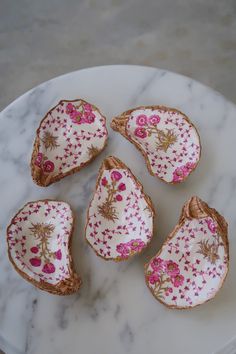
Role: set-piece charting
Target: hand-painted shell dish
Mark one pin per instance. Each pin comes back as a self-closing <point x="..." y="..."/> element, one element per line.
<point x="192" y="264"/>
<point x="70" y="136"/>
<point x="39" y="246"/>
<point x="120" y="215"/>
<point x="165" y="136"/>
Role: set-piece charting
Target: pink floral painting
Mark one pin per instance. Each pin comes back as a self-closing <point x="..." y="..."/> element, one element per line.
<point x="70" y="135"/>
<point x="190" y="267"/>
<point x="38" y="240"/>
<point x="169" y="141"/>
<point x="120" y="222"/>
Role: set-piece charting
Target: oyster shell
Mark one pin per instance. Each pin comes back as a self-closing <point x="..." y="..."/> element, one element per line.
<point x="165" y="136"/>
<point x="193" y="262"/>
<point x="39" y="246"/>
<point x="70" y="136"/>
<point x="120" y="215"/>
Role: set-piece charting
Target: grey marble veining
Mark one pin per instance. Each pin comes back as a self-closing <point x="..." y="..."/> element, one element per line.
<point x="114" y="311"/>
<point x="42" y="39"/>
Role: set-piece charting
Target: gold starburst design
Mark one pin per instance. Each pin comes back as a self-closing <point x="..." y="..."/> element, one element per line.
<point x="108" y="211"/>
<point x="50" y="141"/>
<point x="93" y="151"/>
<point x="165" y="140"/>
<point x="209" y="251"/>
<point x="42" y="230"/>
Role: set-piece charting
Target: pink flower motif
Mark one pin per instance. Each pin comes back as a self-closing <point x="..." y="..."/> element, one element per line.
<point x="171" y="268"/>
<point x="183" y="171"/>
<point x="87" y="107"/>
<point x="75" y="114"/>
<point x="104" y="181"/>
<point x="122" y="187"/>
<point x="76" y="117"/>
<point x="48" y="268"/>
<point x="141" y="120"/>
<point x="58" y="254"/>
<point x="119" y="198"/>
<point x="38" y="159"/>
<point x="153" y="278"/>
<point x="34" y="249"/>
<point x="123" y="249"/>
<point x="190" y="166"/>
<point x="81" y="120"/>
<point x="35" y="262"/>
<point x="116" y="176"/>
<point x="157" y="264"/>
<point x="177" y="280"/>
<point x="154" y="119"/>
<point x="180" y="173"/>
<point x="136" y="245"/>
<point x="140" y="133"/>
<point x="69" y="108"/>
<point x="90" y="118"/>
<point x="48" y="166"/>
<point x="211" y="225"/>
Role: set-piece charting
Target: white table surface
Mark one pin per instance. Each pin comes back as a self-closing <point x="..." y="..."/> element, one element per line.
<point x="114" y="311"/>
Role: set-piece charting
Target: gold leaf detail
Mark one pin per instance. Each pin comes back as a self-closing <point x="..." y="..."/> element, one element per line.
<point x="209" y="251"/>
<point x="42" y="230"/>
<point x="165" y="139"/>
<point x="50" y="141"/>
<point x="108" y="211"/>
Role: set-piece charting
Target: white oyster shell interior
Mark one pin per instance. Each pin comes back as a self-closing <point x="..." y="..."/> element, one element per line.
<point x="191" y="266"/>
<point x="70" y="135"/>
<point x="168" y="139"/>
<point x="120" y="221"/>
<point x="38" y="241"/>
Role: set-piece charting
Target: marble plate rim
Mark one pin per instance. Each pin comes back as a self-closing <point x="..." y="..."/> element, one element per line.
<point x="98" y="67"/>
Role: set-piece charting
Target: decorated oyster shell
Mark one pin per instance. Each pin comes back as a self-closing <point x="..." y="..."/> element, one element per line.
<point x="167" y="139"/>
<point x="192" y="264"/>
<point x="120" y="215"/>
<point x="39" y="246"/>
<point x="70" y="136"/>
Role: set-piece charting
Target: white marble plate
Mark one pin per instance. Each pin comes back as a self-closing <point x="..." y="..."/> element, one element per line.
<point x="114" y="311"/>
